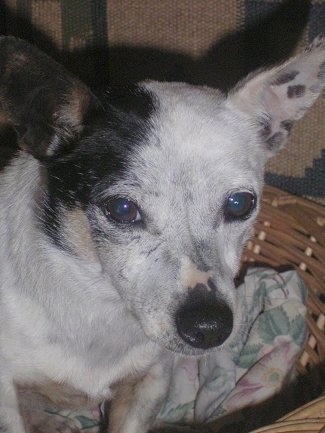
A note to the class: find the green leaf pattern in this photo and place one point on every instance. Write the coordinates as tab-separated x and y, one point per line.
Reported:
273	323
249	355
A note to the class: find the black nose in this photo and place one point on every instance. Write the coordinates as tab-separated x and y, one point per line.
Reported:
204	325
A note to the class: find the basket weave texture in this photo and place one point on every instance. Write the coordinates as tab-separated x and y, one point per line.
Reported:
290	231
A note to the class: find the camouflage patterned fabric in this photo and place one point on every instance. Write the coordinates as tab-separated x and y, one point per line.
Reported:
213	42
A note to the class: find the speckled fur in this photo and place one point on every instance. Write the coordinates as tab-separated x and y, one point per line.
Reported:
90	304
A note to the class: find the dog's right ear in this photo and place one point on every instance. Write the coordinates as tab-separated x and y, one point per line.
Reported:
43	102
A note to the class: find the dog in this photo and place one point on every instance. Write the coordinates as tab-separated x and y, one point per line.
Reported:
122	221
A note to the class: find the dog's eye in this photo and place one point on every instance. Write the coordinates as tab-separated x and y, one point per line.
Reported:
122	210
239	205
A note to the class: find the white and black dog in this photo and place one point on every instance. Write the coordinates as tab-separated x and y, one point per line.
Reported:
122	221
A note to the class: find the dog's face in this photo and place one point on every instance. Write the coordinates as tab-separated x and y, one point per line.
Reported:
159	184
169	220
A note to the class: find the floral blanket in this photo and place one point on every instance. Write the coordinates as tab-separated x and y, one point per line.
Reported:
253	369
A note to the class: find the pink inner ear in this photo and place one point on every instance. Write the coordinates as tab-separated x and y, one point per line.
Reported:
275	104
285	101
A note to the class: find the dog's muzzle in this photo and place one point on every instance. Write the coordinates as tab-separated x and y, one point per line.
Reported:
204	324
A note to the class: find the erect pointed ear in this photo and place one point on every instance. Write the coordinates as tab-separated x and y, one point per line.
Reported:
275	98
43	102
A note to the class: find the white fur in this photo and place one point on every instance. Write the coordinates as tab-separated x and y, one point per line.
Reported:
104	315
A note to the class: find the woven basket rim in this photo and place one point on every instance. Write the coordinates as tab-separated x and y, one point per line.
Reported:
308	418
301	246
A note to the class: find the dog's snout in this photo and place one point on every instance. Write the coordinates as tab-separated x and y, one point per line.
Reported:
204	325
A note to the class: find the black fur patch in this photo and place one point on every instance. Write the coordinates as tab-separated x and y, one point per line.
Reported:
113	129
132	99
8	145
296	91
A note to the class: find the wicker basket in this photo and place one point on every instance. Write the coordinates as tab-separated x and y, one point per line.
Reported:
307	419
290	231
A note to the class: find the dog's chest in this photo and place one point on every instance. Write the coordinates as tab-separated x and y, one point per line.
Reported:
69	379
87	363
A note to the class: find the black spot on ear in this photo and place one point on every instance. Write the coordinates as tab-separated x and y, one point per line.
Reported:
275	141
286	77
296	91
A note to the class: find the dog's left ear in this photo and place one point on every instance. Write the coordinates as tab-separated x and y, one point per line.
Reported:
275	98
44	103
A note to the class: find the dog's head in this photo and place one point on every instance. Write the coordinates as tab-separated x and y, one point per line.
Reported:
159	184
